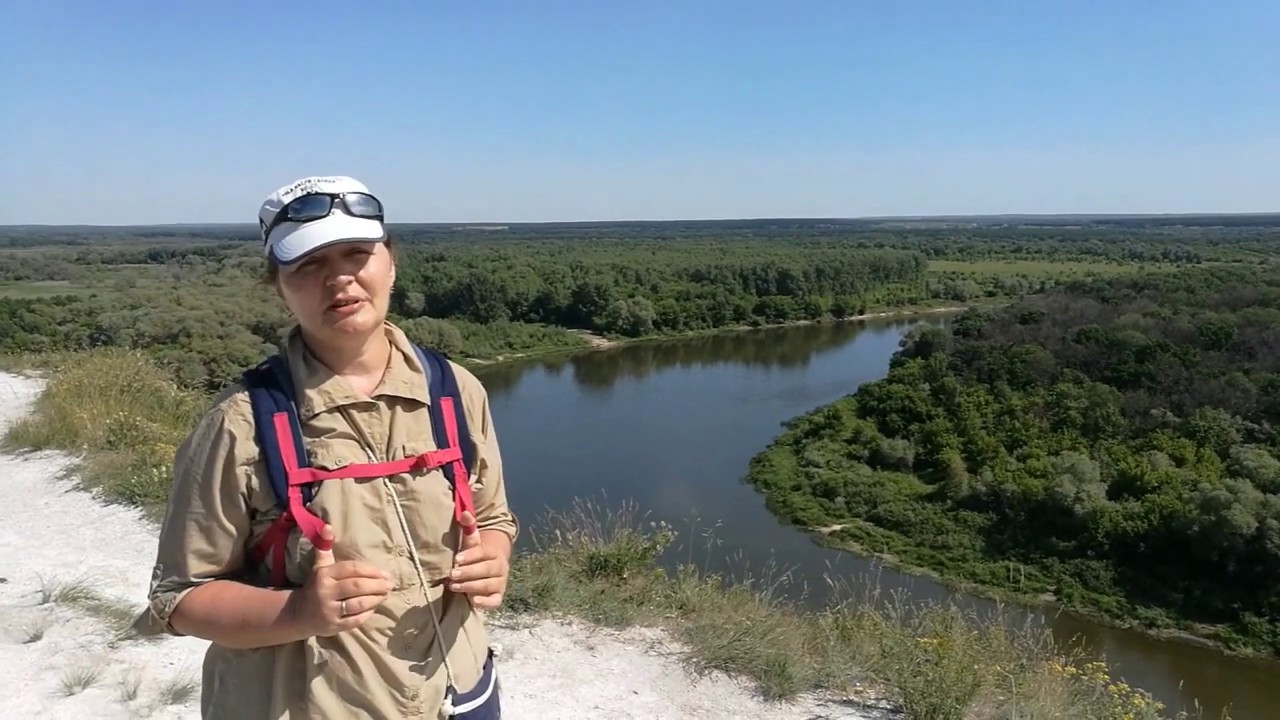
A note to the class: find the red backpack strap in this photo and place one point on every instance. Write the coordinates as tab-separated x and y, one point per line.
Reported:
279	438
274	541
449	426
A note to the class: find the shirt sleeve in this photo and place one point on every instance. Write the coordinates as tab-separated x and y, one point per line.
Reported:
207	522
488	485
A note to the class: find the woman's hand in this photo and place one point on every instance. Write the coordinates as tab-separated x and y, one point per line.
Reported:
481	565
338	595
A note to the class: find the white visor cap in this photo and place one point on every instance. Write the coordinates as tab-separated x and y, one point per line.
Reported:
290	241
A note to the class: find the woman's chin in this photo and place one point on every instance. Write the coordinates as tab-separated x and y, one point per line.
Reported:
365	319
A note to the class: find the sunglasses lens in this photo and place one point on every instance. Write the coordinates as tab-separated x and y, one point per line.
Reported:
362	205
310	207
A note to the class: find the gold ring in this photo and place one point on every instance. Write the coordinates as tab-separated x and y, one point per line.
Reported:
344	608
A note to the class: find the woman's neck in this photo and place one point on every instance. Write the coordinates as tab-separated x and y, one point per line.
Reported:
361	362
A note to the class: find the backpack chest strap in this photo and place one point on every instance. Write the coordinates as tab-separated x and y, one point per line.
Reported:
297	477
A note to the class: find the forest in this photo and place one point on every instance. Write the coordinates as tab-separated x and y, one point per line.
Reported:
204	312
191	297
1111	444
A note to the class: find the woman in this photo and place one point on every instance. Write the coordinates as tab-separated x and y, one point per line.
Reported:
374	614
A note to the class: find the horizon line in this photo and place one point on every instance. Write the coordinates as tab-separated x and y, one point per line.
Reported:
781	218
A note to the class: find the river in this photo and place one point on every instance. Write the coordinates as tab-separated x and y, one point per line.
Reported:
671	425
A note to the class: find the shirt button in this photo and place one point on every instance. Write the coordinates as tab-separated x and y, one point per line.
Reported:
402	551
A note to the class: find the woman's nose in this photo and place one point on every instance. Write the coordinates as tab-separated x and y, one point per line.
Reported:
339	279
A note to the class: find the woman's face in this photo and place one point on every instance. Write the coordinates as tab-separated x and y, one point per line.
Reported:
340	292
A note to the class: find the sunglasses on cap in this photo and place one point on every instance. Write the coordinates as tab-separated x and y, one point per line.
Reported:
314	206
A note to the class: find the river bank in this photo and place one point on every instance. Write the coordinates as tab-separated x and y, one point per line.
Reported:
593	341
792	502
1037	602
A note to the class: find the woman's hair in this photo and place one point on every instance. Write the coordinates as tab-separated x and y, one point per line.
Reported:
272	272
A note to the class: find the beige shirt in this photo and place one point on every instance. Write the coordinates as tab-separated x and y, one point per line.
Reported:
221	503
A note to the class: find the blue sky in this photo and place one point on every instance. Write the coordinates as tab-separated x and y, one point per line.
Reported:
138	112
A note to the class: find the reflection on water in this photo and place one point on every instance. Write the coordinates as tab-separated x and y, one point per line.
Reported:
672	425
766	348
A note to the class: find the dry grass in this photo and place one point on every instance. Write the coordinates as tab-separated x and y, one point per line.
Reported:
79	593
179	689
935	661
34	632
79	678
130	685
116	410
65	592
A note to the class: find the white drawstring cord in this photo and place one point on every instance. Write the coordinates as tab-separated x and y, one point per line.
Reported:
422	577
422	580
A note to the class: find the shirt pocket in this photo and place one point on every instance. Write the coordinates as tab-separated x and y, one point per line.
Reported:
426	498
356	508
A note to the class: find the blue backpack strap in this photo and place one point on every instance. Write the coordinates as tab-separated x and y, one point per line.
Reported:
441	382
270	392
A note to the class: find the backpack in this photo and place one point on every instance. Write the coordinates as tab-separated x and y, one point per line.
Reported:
293	481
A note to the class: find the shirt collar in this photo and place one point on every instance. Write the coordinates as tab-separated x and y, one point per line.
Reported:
318	390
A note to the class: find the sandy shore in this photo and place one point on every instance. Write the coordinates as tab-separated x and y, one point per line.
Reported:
62	661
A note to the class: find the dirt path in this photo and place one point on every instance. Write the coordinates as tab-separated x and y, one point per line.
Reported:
72	567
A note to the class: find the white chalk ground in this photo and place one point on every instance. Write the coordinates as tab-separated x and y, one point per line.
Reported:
52	532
